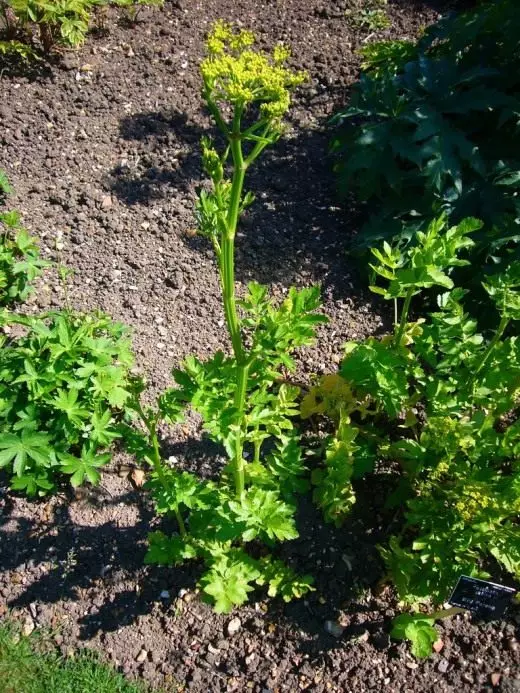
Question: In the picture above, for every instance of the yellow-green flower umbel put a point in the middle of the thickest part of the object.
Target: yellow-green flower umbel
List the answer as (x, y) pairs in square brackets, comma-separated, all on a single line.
[(235, 73)]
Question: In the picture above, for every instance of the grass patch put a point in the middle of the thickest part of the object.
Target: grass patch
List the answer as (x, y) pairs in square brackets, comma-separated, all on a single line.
[(33, 665)]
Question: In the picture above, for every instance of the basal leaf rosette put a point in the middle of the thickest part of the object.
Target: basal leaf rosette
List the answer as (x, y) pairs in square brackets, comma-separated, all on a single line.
[(236, 73)]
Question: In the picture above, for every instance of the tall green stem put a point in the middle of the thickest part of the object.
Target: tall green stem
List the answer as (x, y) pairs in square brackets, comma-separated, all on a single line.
[(180, 522), (240, 399), (404, 317), (227, 276), (504, 322)]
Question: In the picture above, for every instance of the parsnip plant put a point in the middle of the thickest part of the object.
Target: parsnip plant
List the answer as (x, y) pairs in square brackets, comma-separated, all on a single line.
[(448, 395), (242, 398)]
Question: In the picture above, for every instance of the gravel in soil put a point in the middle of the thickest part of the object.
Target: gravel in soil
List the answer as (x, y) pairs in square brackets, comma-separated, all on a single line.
[(102, 150)]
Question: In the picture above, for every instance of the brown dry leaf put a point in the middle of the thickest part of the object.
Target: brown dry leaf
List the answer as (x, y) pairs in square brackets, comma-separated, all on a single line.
[(438, 645), (138, 477), (47, 513)]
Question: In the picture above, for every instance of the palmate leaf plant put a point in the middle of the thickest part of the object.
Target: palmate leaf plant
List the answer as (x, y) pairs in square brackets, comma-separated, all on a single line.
[(442, 400), (29, 25), (63, 384), (20, 261), (63, 377), (243, 401), (432, 127)]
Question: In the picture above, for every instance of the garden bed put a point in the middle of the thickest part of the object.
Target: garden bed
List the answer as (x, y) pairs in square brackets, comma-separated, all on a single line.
[(102, 151)]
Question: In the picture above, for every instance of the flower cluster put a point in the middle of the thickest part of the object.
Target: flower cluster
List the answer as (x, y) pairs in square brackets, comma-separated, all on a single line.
[(236, 74), (478, 500)]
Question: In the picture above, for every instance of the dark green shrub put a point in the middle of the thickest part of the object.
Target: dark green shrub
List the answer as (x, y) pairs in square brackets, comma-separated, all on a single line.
[(436, 130)]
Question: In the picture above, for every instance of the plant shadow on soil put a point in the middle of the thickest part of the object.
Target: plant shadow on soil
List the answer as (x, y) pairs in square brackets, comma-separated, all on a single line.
[(294, 233), (101, 566)]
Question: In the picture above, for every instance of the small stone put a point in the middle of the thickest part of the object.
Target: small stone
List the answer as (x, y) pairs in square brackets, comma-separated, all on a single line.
[(213, 650), (164, 594), (495, 678), (412, 665), (142, 656), (438, 645), (333, 628), (234, 626), (182, 592), (145, 225), (443, 666), (106, 202), (512, 645), (28, 626)]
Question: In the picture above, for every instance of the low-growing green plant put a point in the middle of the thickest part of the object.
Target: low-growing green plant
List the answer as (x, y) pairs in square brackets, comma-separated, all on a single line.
[(243, 399), (432, 128), (5, 187), (382, 58), (61, 22), (448, 396), (20, 262), (63, 378), (419, 629), (134, 7), (369, 15)]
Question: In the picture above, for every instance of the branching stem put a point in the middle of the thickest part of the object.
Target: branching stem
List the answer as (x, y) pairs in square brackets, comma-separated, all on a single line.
[(404, 317)]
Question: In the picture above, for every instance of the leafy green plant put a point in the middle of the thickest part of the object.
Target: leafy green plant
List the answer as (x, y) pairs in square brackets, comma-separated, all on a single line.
[(433, 128), (243, 399), (63, 380), (381, 58), (20, 262), (134, 7), (5, 187), (61, 22), (441, 400), (369, 15)]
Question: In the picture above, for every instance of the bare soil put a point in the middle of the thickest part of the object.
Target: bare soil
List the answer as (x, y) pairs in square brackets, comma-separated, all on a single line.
[(101, 146)]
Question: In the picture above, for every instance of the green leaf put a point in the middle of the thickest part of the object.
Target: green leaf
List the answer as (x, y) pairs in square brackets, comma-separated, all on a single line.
[(264, 514), (229, 580), (30, 445), (282, 580), (84, 467), (419, 630), (164, 550)]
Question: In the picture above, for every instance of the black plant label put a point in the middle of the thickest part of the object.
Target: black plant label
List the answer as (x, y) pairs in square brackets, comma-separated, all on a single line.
[(485, 599)]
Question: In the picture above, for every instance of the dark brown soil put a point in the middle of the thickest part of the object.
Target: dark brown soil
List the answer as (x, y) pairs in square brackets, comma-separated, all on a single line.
[(102, 149)]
